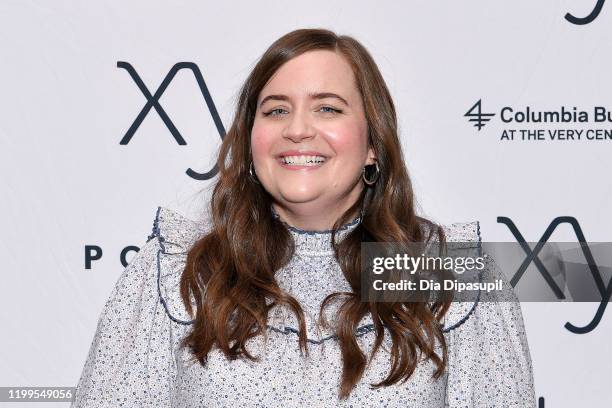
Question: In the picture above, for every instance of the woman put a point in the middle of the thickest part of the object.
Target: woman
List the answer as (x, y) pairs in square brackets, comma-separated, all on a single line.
[(259, 305)]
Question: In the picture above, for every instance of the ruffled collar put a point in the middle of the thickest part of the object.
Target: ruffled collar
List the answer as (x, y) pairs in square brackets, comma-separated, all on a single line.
[(176, 234), (308, 242)]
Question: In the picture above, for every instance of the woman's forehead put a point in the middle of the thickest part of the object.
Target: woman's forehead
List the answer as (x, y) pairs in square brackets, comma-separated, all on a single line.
[(312, 73)]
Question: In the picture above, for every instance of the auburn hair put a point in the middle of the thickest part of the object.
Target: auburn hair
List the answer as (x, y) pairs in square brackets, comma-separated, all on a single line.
[(230, 271)]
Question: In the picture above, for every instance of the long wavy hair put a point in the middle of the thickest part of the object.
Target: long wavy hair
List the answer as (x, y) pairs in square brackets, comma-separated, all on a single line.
[(230, 271)]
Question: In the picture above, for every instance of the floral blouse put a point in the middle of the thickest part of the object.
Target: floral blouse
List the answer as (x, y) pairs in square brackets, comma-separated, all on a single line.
[(135, 359)]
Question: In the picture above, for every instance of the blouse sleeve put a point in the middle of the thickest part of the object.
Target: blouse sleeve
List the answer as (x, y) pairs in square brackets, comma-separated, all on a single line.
[(489, 360), (130, 361)]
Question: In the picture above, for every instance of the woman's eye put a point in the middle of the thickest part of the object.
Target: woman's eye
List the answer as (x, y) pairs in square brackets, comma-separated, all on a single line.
[(273, 112), (329, 109)]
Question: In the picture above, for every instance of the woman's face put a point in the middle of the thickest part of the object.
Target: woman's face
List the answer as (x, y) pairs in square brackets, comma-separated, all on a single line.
[(310, 136)]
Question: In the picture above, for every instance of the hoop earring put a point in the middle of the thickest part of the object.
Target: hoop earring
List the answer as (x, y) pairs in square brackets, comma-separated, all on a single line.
[(376, 175), (252, 174)]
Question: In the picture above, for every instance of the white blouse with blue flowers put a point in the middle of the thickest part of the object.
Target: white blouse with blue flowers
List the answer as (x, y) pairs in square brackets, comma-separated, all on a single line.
[(135, 359)]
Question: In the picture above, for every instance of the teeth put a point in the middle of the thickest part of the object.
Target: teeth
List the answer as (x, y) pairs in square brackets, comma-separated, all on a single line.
[(303, 160)]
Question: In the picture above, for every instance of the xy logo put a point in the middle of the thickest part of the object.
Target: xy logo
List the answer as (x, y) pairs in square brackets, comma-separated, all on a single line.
[(532, 256), (587, 19), (153, 102)]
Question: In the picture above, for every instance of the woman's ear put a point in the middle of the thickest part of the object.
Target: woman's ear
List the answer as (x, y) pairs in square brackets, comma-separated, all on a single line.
[(371, 157)]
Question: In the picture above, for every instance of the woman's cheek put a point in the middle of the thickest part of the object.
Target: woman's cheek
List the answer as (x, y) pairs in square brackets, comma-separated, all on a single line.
[(348, 136), (259, 142)]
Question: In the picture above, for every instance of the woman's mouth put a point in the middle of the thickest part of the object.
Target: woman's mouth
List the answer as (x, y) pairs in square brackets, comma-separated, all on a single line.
[(302, 161)]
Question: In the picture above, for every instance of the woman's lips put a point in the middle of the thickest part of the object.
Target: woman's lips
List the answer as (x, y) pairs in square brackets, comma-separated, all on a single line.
[(300, 166)]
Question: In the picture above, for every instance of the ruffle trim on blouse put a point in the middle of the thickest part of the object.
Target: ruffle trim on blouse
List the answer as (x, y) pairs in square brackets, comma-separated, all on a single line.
[(360, 331), (468, 234), (177, 234)]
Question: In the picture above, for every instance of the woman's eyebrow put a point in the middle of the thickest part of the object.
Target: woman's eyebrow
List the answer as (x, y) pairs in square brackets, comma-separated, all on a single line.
[(323, 95), (312, 95)]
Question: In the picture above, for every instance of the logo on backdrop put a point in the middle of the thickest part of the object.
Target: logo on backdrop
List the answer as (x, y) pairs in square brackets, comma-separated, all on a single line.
[(563, 125), (476, 115), (152, 101), (532, 256), (586, 20)]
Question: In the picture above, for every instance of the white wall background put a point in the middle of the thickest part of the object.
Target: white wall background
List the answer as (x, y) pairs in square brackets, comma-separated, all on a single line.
[(67, 183)]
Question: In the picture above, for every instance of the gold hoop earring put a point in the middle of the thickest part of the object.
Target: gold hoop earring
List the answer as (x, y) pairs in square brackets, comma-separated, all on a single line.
[(373, 180)]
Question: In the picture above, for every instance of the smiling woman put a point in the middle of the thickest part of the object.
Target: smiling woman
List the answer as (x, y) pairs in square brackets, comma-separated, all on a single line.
[(261, 304), (310, 139)]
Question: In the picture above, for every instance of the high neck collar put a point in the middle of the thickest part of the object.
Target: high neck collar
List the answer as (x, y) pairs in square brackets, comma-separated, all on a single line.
[(309, 242)]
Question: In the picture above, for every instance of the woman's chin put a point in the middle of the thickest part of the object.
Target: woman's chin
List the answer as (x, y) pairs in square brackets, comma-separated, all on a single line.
[(300, 196)]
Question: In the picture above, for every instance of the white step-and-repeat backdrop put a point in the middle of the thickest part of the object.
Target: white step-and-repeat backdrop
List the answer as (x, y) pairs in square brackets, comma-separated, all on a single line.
[(104, 118)]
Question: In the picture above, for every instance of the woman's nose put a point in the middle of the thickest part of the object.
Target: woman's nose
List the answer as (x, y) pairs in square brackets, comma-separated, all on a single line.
[(299, 126)]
